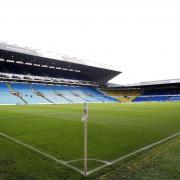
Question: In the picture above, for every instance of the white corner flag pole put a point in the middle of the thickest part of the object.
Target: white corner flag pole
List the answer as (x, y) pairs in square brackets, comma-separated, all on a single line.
[(85, 118)]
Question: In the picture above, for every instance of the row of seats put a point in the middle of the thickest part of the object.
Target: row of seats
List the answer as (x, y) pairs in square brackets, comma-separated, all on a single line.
[(131, 92), (45, 94), (157, 98), (6, 97), (175, 98), (27, 93)]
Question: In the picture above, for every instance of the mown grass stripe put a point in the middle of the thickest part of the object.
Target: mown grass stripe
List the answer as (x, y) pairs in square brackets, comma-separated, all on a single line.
[(134, 152), (42, 153)]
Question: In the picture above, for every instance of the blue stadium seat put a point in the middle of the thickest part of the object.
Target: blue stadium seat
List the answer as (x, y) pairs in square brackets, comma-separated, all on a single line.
[(6, 97), (175, 98), (157, 98), (28, 93), (44, 94)]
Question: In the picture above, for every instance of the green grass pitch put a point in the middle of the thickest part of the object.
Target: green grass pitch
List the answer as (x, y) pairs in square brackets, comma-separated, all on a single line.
[(114, 130)]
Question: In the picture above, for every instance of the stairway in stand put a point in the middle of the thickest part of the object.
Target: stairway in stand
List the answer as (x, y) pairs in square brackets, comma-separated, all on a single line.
[(15, 93)]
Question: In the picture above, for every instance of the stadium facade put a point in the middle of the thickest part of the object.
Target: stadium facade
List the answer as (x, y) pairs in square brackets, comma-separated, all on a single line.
[(34, 76)]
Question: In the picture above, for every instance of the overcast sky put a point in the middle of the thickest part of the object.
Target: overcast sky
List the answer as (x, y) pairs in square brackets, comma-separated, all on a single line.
[(141, 37)]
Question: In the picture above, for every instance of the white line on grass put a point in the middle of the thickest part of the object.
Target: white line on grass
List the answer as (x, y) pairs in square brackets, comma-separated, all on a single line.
[(107, 163), (97, 160), (42, 153), (133, 153)]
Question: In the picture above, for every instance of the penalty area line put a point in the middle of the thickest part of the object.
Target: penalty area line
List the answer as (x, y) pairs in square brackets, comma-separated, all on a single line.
[(42, 153)]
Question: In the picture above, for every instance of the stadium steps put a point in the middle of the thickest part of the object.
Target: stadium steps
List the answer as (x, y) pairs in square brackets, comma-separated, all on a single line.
[(133, 98), (6, 97), (93, 96), (40, 94), (61, 95), (106, 97), (18, 94), (102, 92), (90, 95), (96, 97), (77, 95)]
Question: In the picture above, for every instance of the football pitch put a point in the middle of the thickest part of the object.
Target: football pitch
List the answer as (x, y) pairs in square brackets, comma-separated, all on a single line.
[(48, 139)]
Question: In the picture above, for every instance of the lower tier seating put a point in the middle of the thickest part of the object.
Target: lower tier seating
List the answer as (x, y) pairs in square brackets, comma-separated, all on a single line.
[(24, 93), (157, 98), (6, 97)]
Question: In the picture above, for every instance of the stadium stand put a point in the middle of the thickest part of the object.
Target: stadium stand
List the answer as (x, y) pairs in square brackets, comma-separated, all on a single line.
[(7, 97), (161, 91), (31, 76), (165, 90), (157, 98), (126, 99), (126, 92), (175, 98), (27, 93), (23, 93), (151, 98)]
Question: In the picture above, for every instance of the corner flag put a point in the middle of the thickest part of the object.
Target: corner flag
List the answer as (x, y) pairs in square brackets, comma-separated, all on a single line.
[(85, 112), (84, 119)]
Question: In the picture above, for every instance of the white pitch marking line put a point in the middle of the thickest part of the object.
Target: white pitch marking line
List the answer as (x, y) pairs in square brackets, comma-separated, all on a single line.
[(98, 160), (96, 169), (133, 153), (42, 153)]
